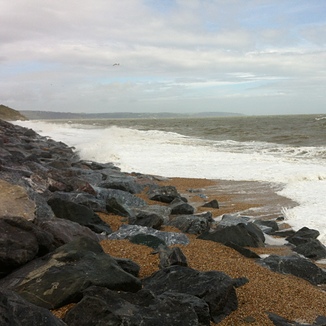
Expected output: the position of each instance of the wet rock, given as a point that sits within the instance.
(179, 207)
(14, 310)
(170, 257)
(212, 204)
(194, 224)
(303, 235)
(165, 194)
(147, 240)
(125, 183)
(297, 266)
(312, 249)
(60, 277)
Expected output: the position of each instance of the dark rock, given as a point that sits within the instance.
(125, 183)
(229, 220)
(147, 240)
(302, 236)
(282, 234)
(20, 242)
(165, 194)
(179, 207)
(312, 249)
(320, 321)
(170, 257)
(128, 266)
(297, 266)
(215, 288)
(79, 214)
(244, 235)
(280, 321)
(243, 251)
(128, 231)
(212, 204)
(194, 224)
(163, 212)
(65, 231)
(60, 277)
(15, 311)
(267, 226)
(101, 306)
(149, 219)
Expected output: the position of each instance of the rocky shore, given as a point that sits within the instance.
(83, 243)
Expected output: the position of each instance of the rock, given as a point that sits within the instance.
(312, 249)
(125, 183)
(302, 236)
(128, 266)
(147, 240)
(243, 251)
(60, 277)
(229, 220)
(165, 194)
(267, 226)
(128, 231)
(20, 242)
(79, 214)
(14, 201)
(215, 288)
(297, 266)
(162, 212)
(14, 310)
(65, 231)
(280, 321)
(194, 224)
(147, 218)
(170, 257)
(212, 204)
(179, 207)
(244, 235)
(101, 306)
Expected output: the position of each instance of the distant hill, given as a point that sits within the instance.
(9, 114)
(45, 115)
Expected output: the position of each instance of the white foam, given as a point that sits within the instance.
(171, 154)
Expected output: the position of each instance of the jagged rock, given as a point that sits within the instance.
(312, 249)
(20, 242)
(101, 306)
(163, 212)
(147, 240)
(229, 220)
(165, 194)
(244, 235)
(179, 207)
(215, 288)
(128, 266)
(194, 224)
(128, 231)
(60, 277)
(280, 321)
(170, 257)
(243, 251)
(297, 266)
(213, 204)
(14, 201)
(79, 214)
(267, 226)
(65, 231)
(147, 218)
(15, 311)
(302, 236)
(125, 183)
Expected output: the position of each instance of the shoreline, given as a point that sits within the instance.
(267, 291)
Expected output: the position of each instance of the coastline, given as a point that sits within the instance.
(286, 295)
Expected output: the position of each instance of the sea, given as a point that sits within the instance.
(287, 152)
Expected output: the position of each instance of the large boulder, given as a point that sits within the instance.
(215, 288)
(60, 277)
(312, 249)
(16, 311)
(20, 242)
(194, 224)
(297, 266)
(122, 182)
(164, 194)
(180, 207)
(101, 306)
(79, 214)
(128, 231)
(303, 235)
(244, 235)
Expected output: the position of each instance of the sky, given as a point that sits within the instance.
(254, 57)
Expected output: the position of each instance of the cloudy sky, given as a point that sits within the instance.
(251, 57)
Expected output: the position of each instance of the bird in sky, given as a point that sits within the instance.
(116, 64)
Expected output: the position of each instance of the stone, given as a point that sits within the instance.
(147, 240)
(297, 266)
(60, 277)
(164, 194)
(79, 214)
(212, 204)
(215, 288)
(15, 311)
(303, 235)
(125, 183)
(243, 235)
(179, 207)
(101, 306)
(312, 249)
(128, 231)
(193, 224)
(243, 251)
(14, 201)
(170, 257)
(229, 220)
(147, 218)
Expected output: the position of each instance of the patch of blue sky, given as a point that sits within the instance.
(161, 6)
